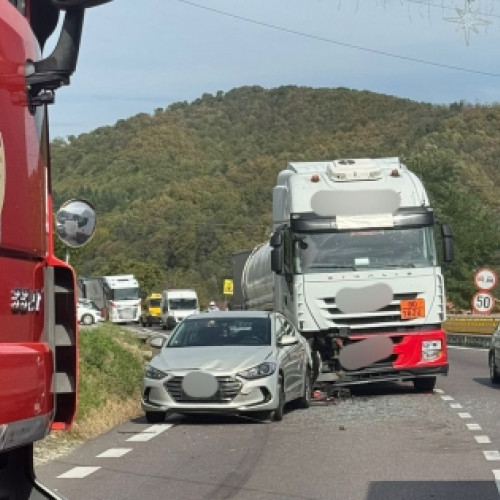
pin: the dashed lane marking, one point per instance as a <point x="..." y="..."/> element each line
<point x="474" y="427"/>
<point x="114" y="453"/>
<point x="150" y="432"/>
<point x="482" y="439"/>
<point x="492" y="455"/>
<point x="78" y="472"/>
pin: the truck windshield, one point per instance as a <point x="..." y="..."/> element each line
<point x="182" y="304"/>
<point x="361" y="249"/>
<point x="124" y="294"/>
<point x="154" y="303"/>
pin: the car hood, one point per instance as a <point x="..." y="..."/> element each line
<point x="212" y="359"/>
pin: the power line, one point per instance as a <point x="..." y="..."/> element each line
<point x="337" y="42"/>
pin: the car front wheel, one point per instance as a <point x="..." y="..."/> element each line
<point x="494" y="376"/>
<point x="280" y="410"/>
<point x="155" y="417"/>
<point x="305" y="400"/>
<point x="87" y="319"/>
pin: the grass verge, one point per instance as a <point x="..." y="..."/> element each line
<point x="111" y="366"/>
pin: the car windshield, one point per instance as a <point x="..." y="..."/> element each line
<point x="182" y="304"/>
<point x="89" y="304"/>
<point x="221" y="332"/>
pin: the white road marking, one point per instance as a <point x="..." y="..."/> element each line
<point x="150" y="432"/>
<point x="78" y="472"/>
<point x="482" y="439"/>
<point x="464" y="415"/>
<point x="455" y="406"/>
<point x="439" y="391"/>
<point x="474" y="427"/>
<point x="492" y="455"/>
<point x="114" y="453"/>
<point x="447" y="398"/>
<point x="496" y="473"/>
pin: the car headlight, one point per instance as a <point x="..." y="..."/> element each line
<point x="263" y="370"/>
<point x="154" y="373"/>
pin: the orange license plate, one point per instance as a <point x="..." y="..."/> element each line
<point x="411" y="309"/>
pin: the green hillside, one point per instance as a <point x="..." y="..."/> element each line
<point x="181" y="189"/>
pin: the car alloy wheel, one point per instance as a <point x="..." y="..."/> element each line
<point x="87" y="319"/>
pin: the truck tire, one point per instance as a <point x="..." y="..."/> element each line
<point x="425" y="384"/>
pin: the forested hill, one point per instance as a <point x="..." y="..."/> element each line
<point x="179" y="190"/>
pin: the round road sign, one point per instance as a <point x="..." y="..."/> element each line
<point x="482" y="303"/>
<point x="485" y="279"/>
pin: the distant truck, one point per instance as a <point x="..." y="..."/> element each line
<point x="176" y="305"/>
<point x="352" y="262"/>
<point x="117" y="296"/>
<point x="151" y="310"/>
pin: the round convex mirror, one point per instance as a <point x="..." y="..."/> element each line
<point x="75" y="223"/>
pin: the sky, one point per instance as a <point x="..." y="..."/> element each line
<point x="140" y="55"/>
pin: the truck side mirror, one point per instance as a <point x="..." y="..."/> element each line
<point x="277" y="260"/>
<point x="69" y="227"/>
<point x="448" y="249"/>
<point x="276" y="239"/>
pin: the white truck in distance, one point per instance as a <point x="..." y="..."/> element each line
<point x="117" y="296"/>
<point x="176" y="305"/>
<point x="352" y="262"/>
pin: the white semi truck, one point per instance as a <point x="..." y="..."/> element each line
<point x="118" y="297"/>
<point x="352" y="262"/>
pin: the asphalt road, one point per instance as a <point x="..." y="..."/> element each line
<point x="384" y="442"/>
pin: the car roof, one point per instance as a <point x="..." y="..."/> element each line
<point x="231" y="314"/>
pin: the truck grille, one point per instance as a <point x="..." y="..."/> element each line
<point x="388" y="315"/>
<point x="228" y="388"/>
<point x="126" y="313"/>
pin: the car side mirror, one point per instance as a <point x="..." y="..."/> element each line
<point x="287" y="340"/>
<point x="157" y="342"/>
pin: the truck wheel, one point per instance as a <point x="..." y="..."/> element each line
<point x="305" y="400"/>
<point x="424" y="384"/>
<point x="280" y="410"/>
<point x="155" y="417"/>
<point x="494" y="376"/>
<point x="87" y="319"/>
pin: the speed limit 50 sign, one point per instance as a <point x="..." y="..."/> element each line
<point x="482" y="303"/>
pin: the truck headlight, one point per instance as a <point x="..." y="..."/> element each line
<point x="263" y="370"/>
<point x="154" y="373"/>
<point x="431" y="350"/>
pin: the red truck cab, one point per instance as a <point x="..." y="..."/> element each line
<point x="38" y="327"/>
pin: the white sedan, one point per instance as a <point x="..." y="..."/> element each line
<point x="87" y="312"/>
<point x="231" y="362"/>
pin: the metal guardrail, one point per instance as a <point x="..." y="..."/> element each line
<point x="469" y="330"/>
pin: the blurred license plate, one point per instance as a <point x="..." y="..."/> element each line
<point x="411" y="309"/>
